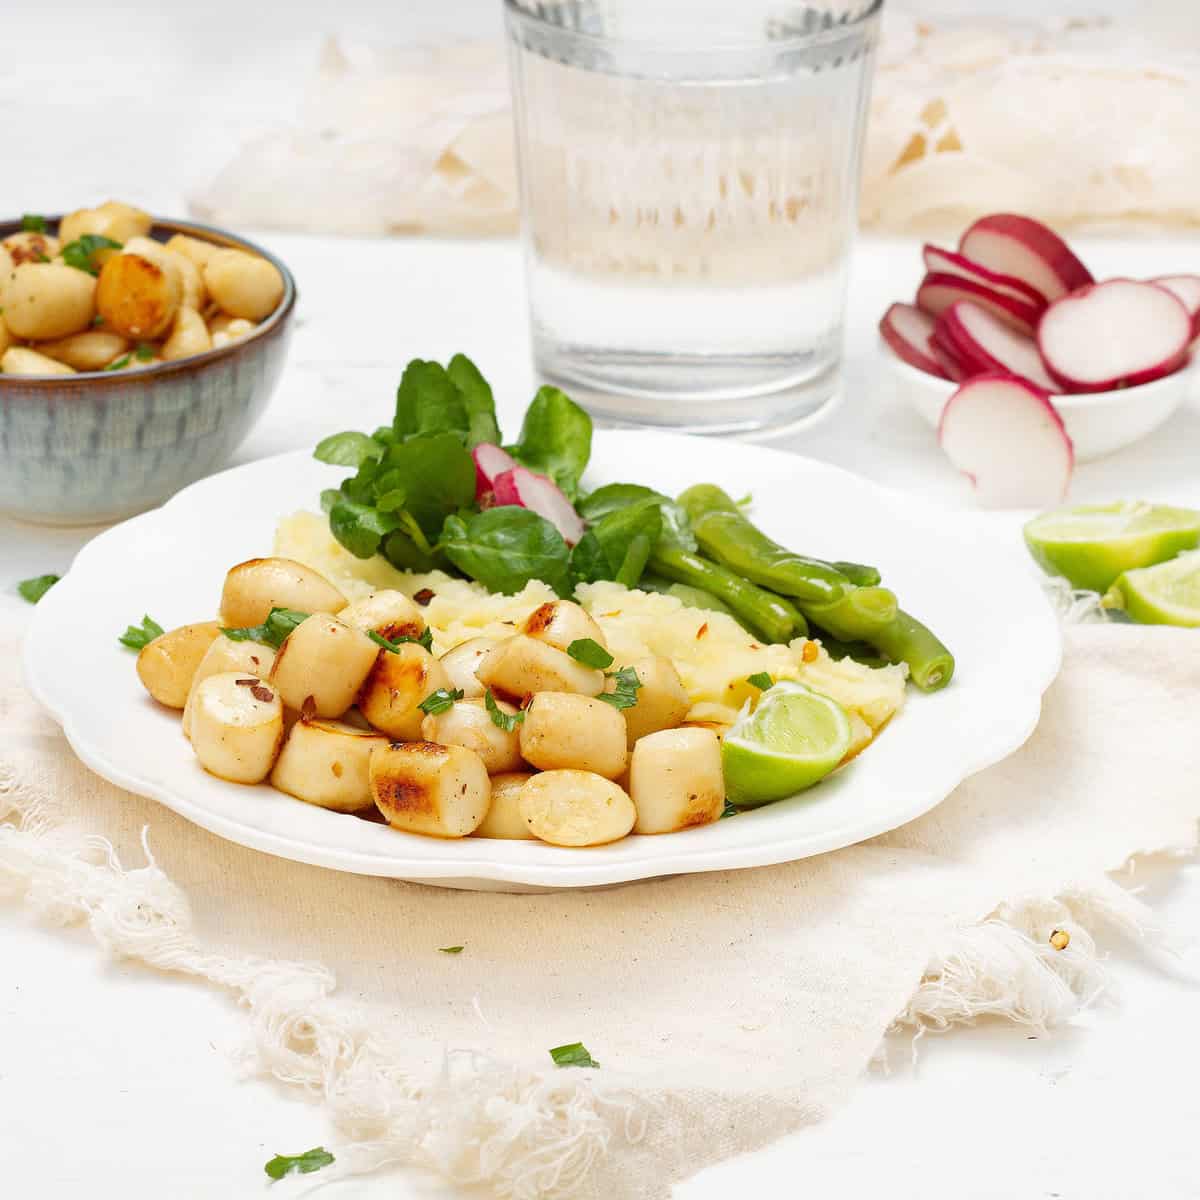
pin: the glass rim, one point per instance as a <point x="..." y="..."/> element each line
<point x="515" y="12"/>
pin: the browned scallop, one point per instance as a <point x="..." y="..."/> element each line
<point x="421" y="787"/>
<point x="30" y="247"/>
<point x="138" y="298"/>
<point x="254" y="587"/>
<point x="397" y="684"/>
<point x="167" y="665"/>
<point x="91" y="350"/>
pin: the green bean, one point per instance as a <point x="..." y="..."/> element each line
<point x="858" y="616"/>
<point x="860" y="652"/>
<point x="726" y="535"/>
<point x="695" y="597"/>
<point x="768" y="617"/>
<point x="905" y="639"/>
<point x="858" y="573"/>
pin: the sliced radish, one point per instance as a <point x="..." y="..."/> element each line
<point x="947" y="262"/>
<point x="527" y="489"/>
<point x="1025" y="249"/>
<point x="937" y="292"/>
<point x="490" y="461"/>
<point x="948" y="358"/>
<point x="1185" y="289"/>
<point x="1007" y="438"/>
<point x="906" y="330"/>
<point x="1114" y="334"/>
<point x="987" y="344"/>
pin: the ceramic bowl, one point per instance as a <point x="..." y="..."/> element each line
<point x="100" y="446"/>
<point x="1098" y="422"/>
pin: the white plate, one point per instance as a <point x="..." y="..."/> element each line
<point x="974" y="589"/>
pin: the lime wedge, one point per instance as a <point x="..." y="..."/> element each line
<point x="1168" y="594"/>
<point x="793" y="739"/>
<point x="1094" y="544"/>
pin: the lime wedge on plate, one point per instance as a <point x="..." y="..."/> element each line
<point x="1094" y="544"/>
<point x="792" y="740"/>
<point x="1168" y="594"/>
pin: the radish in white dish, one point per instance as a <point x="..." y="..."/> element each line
<point x="948" y="358"/>
<point x="1006" y="436"/>
<point x="1114" y="334"/>
<point x="907" y="331"/>
<point x="490" y="461"/>
<point x="1025" y="249"/>
<point x="528" y="489"/>
<point x="937" y="292"/>
<point x="1185" y="289"/>
<point x="949" y="262"/>
<point x="987" y="344"/>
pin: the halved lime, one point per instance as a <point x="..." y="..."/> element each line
<point x="793" y="739"/>
<point x="1095" y="543"/>
<point x="1167" y="594"/>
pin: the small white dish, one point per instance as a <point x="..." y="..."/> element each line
<point x="1098" y="423"/>
<point x="974" y="588"/>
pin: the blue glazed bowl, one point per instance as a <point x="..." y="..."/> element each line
<point x="99" y="446"/>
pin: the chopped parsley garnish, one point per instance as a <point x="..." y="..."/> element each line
<point x="761" y="680"/>
<point x="81" y="253"/>
<point x="145" y="352"/>
<point x="439" y="702"/>
<point x="306" y="1163"/>
<point x="138" y="636"/>
<point x="279" y="623"/>
<point x="502" y="720"/>
<point x="573" y="1055"/>
<point x="590" y="653"/>
<point x="118" y="363"/>
<point x="426" y="640"/>
<point x="624" y="694"/>
<point x="450" y="949"/>
<point x="33" y="223"/>
<point x="728" y="811"/>
<point x="34" y="589"/>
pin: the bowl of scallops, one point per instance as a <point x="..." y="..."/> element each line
<point x="135" y="354"/>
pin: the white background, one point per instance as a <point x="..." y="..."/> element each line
<point x="117" y="1082"/>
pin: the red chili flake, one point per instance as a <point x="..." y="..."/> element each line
<point x="701" y="631"/>
<point x="424" y="596"/>
<point x="245" y="682"/>
<point x="308" y="709"/>
<point x="262" y="693"/>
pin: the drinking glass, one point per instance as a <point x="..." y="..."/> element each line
<point x="689" y="185"/>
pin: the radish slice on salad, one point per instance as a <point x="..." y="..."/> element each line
<point x="947" y="262"/>
<point x="1005" y="435"/>
<point x="937" y="292"/>
<point x="987" y="344"/>
<point x="1114" y="334"/>
<point x="490" y="461"/>
<point x="527" y="489"/>
<point x="1185" y="289"/>
<point x="1025" y="249"/>
<point x="906" y="330"/>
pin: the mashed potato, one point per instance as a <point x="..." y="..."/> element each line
<point x="713" y="653"/>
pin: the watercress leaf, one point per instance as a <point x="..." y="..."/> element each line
<point x="359" y="527"/>
<point x="34" y="589"/>
<point x="362" y="487"/>
<point x="619" y="544"/>
<point x="405" y="555"/>
<point x="477" y="399"/>
<point x="588" y="562"/>
<point x="504" y="548"/>
<point x="306" y="1163"/>
<point x="760" y="680"/>
<point x="439" y="476"/>
<point x="330" y="497"/>
<point x="348" y="449"/>
<point x="573" y="1055"/>
<point x="556" y="439"/>
<point x="81" y="253"/>
<point x="137" y="636"/>
<point x="33" y="223"/>
<point x="626" y="685"/>
<point x="590" y="653"/>
<point x="428" y="402"/>
<point x="676" y="529"/>
<point x="502" y="720"/>
<point x="385" y="435"/>
<point x="393" y="500"/>
<point x="440" y="701"/>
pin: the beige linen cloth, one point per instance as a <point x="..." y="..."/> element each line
<point x="726" y="1009"/>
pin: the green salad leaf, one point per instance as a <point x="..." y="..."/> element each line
<point x="618" y="545"/>
<point x="138" y="636"/>
<point x="34" y="589"/>
<point x="359" y="527"/>
<point x="279" y="623"/>
<point x="305" y="1164"/>
<point x="574" y="1054"/>
<point x="349" y="449"/>
<point x="438" y="475"/>
<point x="556" y="439"/>
<point x="676" y="529"/>
<point x="504" y="548"/>
<point x="477" y="399"/>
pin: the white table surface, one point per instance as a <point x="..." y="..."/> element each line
<point x="112" y="1077"/>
